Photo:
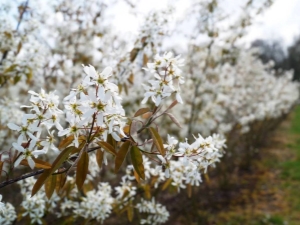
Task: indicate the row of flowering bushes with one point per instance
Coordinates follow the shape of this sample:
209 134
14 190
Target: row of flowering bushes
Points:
159 119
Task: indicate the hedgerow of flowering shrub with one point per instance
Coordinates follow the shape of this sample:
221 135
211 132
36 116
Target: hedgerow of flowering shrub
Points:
107 124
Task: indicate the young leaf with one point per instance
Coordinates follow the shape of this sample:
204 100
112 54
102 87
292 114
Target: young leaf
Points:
136 176
99 157
110 140
137 161
50 186
172 105
40 181
61 158
1 167
157 141
66 142
166 184
173 119
40 164
121 155
130 213
107 147
133 54
141 111
60 182
82 169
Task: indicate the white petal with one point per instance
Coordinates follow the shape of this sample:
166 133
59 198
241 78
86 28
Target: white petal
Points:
18 147
17 162
13 126
64 132
115 136
107 71
31 162
178 98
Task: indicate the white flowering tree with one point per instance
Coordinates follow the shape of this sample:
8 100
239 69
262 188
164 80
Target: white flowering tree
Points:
109 141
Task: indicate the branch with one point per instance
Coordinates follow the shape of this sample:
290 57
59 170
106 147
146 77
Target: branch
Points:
23 177
34 173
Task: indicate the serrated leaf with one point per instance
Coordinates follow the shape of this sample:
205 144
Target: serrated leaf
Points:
141 111
173 119
130 213
61 158
157 141
107 147
137 161
50 185
121 155
99 157
40 164
82 169
66 142
40 181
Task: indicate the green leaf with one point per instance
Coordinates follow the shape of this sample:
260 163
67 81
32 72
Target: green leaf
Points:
137 161
82 169
40 181
50 186
141 111
121 155
66 142
107 147
157 141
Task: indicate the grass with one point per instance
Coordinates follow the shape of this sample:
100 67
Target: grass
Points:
275 200
290 174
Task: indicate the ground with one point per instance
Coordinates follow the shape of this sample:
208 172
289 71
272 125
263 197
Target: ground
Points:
266 193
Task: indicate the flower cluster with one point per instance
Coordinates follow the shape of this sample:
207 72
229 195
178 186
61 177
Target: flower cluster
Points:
193 159
35 207
96 205
166 70
235 95
7 213
45 114
98 105
157 213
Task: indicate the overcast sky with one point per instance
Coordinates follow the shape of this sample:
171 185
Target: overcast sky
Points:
280 22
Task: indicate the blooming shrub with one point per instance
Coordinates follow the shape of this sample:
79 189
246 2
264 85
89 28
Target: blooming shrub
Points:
160 119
